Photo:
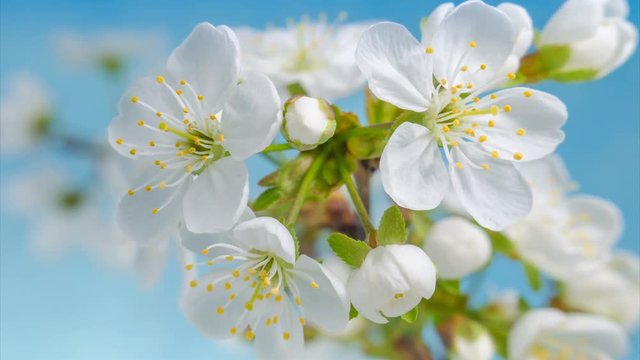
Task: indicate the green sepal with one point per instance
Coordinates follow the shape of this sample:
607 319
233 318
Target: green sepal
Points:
450 286
296 242
296 89
352 312
575 75
533 276
267 198
379 111
554 57
352 252
411 316
392 229
367 146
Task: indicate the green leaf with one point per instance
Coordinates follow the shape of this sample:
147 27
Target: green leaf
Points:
267 198
533 276
392 228
450 286
553 57
296 89
411 316
352 312
351 251
330 172
574 75
296 242
502 244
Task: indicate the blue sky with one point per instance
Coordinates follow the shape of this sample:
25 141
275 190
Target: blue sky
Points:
74 309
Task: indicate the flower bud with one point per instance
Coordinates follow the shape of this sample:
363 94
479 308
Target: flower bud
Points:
457 247
308 122
471 341
391 281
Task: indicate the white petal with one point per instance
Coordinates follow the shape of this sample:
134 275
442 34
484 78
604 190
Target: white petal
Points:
540 116
396 66
266 234
429 26
208 60
251 117
125 126
523 27
598 332
197 242
599 218
359 292
575 20
150 263
270 342
616 8
527 328
496 197
217 197
326 306
627 41
491 31
413 172
136 219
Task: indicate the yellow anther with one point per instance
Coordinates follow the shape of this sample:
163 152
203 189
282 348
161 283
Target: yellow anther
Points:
227 286
443 81
235 273
517 156
520 132
464 68
148 188
253 284
249 335
163 165
220 137
185 121
204 157
286 336
470 132
210 287
155 211
246 278
134 99
298 301
528 93
482 138
268 296
178 144
204 251
192 150
494 96
507 108
453 143
495 154
152 143
511 76
188 267
200 97
456 122
178 91
459 165
131 192
233 330
119 141
193 283
268 321
453 90
485 166
160 79
251 271
259 297
212 117
275 319
248 306
157 162
429 50
453 100
398 295
188 168
232 297
229 258
163 126
472 44
302 321
210 262
277 298
455 111
183 82
475 125
483 67
469 86
445 129
459 86
220 310
159 114
314 285
133 151
491 123
494 110
275 291
162 185
185 110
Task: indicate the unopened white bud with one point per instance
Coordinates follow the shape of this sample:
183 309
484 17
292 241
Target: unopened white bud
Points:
308 122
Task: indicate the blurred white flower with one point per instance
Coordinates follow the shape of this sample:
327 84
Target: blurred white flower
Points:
507 303
325 348
552 334
257 282
475 344
612 291
26 113
481 138
317 55
520 20
597 34
308 122
565 236
457 247
391 281
196 126
109 50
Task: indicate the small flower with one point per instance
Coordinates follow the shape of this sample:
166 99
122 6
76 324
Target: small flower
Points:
612 291
391 281
565 236
549 334
308 122
597 34
458 247
26 113
317 55
471 341
481 133
195 127
257 289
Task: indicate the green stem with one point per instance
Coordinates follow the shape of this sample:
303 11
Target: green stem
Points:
308 179
276 147
357 200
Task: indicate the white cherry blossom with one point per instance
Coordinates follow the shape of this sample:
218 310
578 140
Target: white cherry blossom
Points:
257 288
481 132
196 125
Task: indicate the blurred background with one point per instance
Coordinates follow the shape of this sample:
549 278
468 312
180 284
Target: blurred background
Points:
68 292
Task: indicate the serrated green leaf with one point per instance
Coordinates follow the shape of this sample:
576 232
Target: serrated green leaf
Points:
296 89
553 57
352 252
267 198
392 228
533 276
352 312
411 316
